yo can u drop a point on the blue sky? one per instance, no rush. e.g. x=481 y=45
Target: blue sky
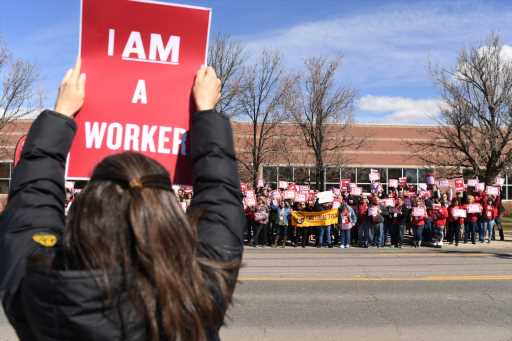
x=387 y=45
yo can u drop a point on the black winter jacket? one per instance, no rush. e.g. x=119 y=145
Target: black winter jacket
x=44 y=303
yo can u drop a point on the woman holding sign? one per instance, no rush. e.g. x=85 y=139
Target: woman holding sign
x=489 y=214
x=473 y=215
x=457 y=215
x=419 y=214
x=377 y=220
x=128 y=264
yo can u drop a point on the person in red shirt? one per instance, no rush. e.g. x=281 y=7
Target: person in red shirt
x=399 y=222
x=472 y=223
x=418 y=222
x=489 y=214
x=440 y=215
x=457 y=222
x=363 y=222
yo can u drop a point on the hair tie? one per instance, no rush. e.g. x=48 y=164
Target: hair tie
x=136 y=183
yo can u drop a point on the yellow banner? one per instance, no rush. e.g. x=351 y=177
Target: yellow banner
x=311 y=219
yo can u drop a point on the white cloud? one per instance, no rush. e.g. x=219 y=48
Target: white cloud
x=506 y=52
x=401 y=109
x=391 y=45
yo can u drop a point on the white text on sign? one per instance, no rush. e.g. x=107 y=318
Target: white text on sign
x=159 y=52
x=148 y=138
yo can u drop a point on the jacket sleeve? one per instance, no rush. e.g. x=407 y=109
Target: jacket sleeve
x=216 y=186
x=36 y=197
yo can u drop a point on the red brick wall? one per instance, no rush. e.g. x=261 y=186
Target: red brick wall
x=385 y=145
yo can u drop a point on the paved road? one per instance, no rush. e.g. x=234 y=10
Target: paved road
x=460 y=293
x=386 y=294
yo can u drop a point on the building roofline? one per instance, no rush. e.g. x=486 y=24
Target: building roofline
x=361 y=124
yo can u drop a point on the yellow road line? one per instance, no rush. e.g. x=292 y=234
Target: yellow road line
x=436 y=278
x=330 y=254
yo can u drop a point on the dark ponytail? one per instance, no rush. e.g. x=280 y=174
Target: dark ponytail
x=128 y=217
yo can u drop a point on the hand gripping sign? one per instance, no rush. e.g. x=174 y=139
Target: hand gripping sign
x=140 y=58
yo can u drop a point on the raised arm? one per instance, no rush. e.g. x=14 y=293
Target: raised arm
x=215 y=172
x=34 y=215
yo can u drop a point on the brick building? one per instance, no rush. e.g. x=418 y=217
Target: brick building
x=385 y=148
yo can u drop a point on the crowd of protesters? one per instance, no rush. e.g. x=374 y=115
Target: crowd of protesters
x=403 y=215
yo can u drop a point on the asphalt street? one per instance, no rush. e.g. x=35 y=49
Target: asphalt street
x=460 y=293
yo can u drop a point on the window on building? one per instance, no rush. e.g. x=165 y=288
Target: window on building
x=366 y=188
x=507 y=195
x=5 y=177
x=301 y=175
x=270 y=174
x=348 y=173
x=363 y=175
x=423 y=172
x=333 y=175
x=312 y=175
x=394 y=173
x=382 y=173
x=285 y=174
x=5 y=170
x=4 y=186
x=411 y=174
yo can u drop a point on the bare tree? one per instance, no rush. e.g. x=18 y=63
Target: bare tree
x=227 y=57
x=475 y=125
x=18 y=97
x=324 y=113
x=263 y=90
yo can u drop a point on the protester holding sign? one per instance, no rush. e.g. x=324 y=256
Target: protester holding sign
x=472 y=221
x=377 y=221
x=347 y=220
x=489 y=214
x=398 y=217
x=261 y=217
x=324 y=230
x=282 y=214
x=127 y=242
x=440 y=215
x=418 y=221
x=457 y=215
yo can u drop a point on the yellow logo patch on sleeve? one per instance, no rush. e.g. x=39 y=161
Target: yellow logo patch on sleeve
x=45 y=239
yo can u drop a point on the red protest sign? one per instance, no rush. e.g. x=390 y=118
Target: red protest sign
x=292 y=186
x=140 y=58
x=344 y=184
x=459 y=185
